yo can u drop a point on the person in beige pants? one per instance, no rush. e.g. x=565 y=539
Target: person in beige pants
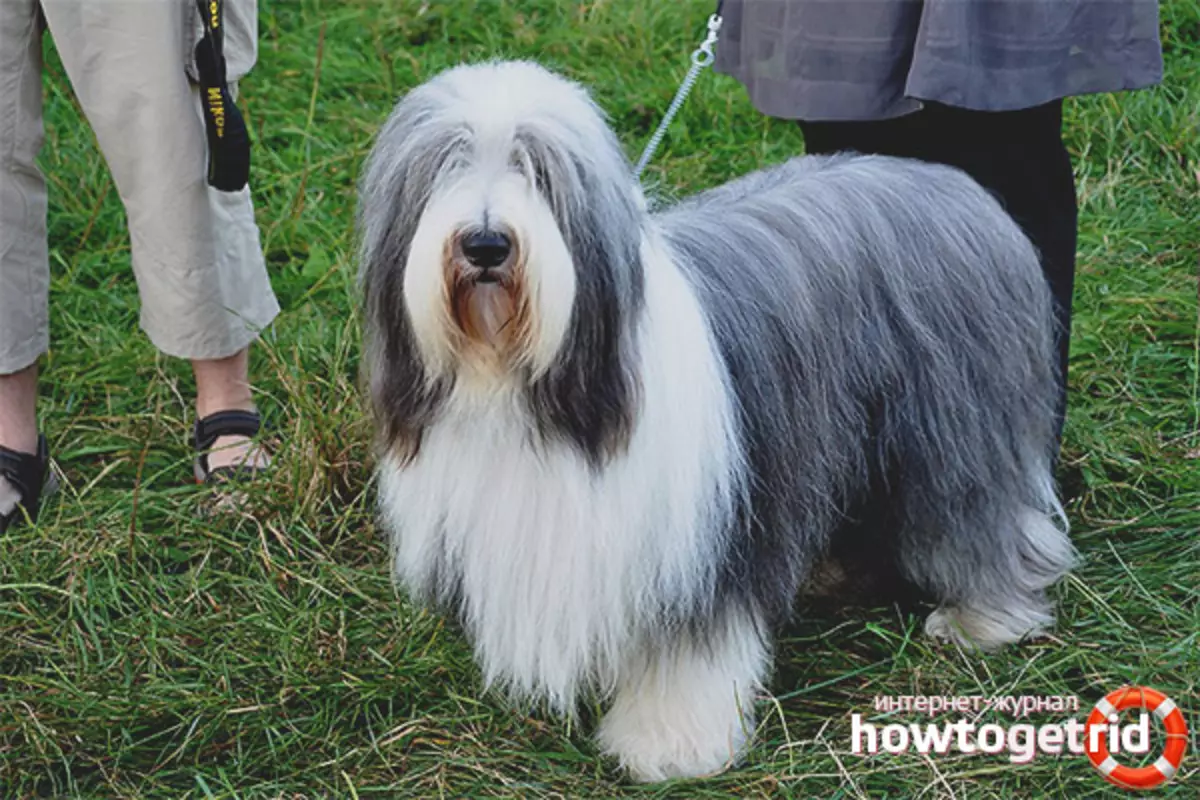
x=196 y=253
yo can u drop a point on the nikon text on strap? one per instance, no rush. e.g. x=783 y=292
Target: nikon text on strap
x=228 y=139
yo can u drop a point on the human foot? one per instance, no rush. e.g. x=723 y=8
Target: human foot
x=25 y=481
x=225 y=447
x=23 y=471
x=228 y=422
x=238 y=451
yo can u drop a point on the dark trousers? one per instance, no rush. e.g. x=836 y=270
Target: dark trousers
x=1018 y=155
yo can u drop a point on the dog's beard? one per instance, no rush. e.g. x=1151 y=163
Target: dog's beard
x=486 y=314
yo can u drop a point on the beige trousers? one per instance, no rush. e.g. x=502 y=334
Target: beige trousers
x=196 y=253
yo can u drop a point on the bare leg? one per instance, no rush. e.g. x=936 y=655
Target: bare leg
x=224 y=385
x=18 y=410
x=18 y=424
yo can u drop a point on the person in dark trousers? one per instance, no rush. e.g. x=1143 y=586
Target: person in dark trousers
x=975 y=84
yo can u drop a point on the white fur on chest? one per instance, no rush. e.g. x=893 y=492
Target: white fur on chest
x=560 y=567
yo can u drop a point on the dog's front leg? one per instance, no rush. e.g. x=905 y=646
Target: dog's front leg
x=685 y=707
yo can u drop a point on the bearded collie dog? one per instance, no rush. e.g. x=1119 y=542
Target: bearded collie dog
x=616 y=441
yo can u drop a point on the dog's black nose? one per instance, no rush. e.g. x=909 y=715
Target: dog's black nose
x=486 y=249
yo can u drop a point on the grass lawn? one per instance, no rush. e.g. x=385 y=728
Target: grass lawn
x=147 y=652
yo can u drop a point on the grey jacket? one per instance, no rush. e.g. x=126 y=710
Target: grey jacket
x=826 y=60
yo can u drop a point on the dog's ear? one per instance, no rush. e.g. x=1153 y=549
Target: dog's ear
x=404 y=398
x=589 y=396
x=410 y=156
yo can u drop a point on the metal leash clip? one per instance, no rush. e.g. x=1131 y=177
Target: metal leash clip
x=703 y=55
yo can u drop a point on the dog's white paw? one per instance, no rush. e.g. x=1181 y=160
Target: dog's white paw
x=943 y=625
x=975 y=629
x=687 y=710
x=655 y=743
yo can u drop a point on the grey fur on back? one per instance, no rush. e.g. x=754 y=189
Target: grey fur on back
x=888 y=334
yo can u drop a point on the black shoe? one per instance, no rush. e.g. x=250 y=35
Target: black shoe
x=30 y=475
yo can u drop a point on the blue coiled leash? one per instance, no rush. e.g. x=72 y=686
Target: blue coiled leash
x=702 y=57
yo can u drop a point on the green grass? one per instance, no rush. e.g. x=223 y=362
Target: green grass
x=146 y=652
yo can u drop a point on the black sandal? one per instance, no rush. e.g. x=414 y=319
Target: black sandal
x=30 y=475
x=213 y=427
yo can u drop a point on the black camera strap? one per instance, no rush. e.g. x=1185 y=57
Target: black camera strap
x=228 y=139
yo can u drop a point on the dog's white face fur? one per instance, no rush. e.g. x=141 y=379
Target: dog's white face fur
x=517 y=323
x=484 y=328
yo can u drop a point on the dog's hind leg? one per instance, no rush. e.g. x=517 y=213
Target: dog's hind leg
x=1009 y=601
x=686 y=708
x=990 y=565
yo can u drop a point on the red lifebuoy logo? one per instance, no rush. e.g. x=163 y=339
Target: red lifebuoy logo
x=1106 y=713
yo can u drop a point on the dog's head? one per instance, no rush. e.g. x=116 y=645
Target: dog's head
x=501 y=232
